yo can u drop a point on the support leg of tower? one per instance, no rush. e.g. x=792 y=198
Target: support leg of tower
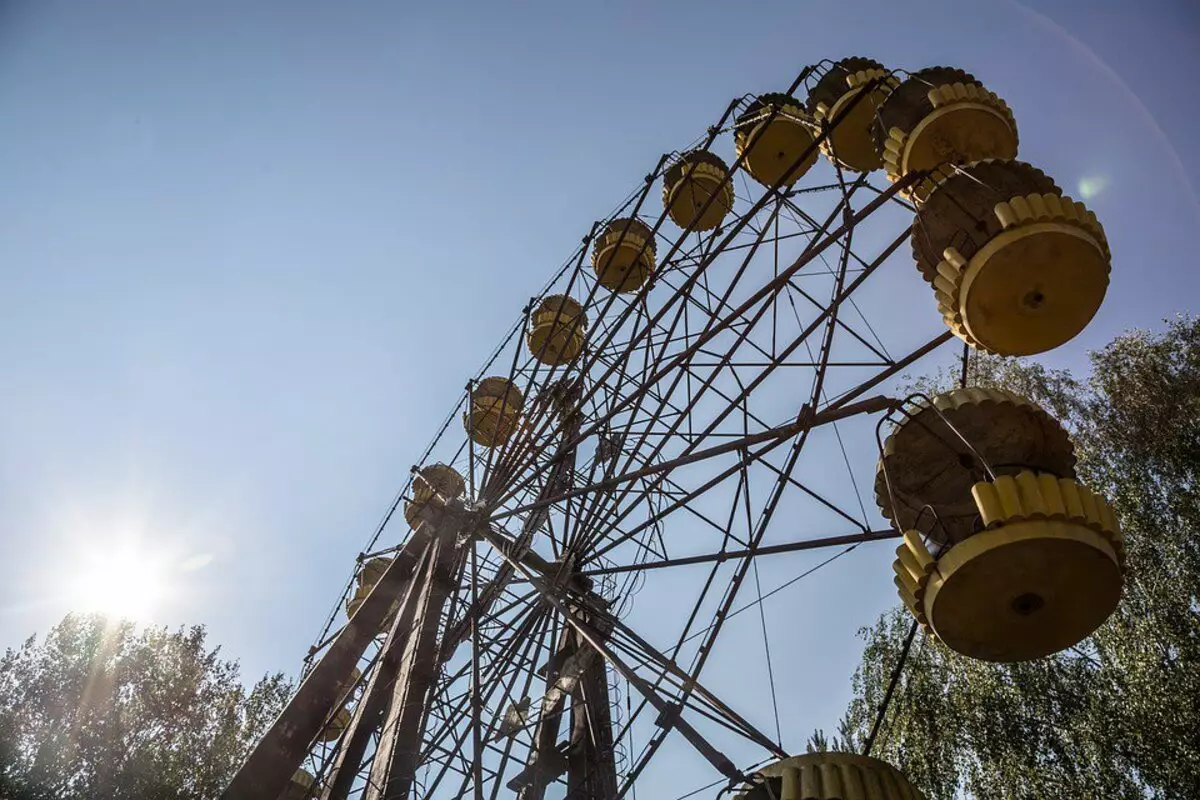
x=577 y=671
x=369 y=711
x=267 y=770
x=592 y=769
x=545 y=761
x=398 y=751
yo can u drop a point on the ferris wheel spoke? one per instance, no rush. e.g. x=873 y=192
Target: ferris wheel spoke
x=696 y=346
x=662 y=731
x=774 y=435
x=757 y=532
x=605 y=529
x=664 y=400
x=701 y=658
x=840 y=404
x=587 y=362
x=747 y=457
x=521 y=649
x=578 y=511
x=478 y=608
x=792 y=287
x=604 y=504
x=722 y=323
x=660 y=735
x=682 y=639
x=774 y=286
x=746 y=391
x=646 y=654
x=841 y=400
x=625 y=378
x=764 y=550
x=823 y=501
x=827 y=312
x=717 y=304
x=684 y=682
x=593 y=640
x=543 y=645
x=730 y=400
x=668 y=488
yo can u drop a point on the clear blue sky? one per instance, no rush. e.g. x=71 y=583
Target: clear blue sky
x=251 y=251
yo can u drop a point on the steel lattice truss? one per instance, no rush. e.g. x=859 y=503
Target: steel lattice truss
x=675 y=439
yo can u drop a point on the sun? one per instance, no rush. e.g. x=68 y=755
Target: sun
x=125 y=582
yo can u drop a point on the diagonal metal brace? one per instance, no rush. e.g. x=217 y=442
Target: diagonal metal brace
x=715 y=757
x=266 y=772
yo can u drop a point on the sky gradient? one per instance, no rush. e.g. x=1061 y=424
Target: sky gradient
x=251 y=251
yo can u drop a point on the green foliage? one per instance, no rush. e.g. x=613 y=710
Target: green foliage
x=100 y=709
x=1119 y=715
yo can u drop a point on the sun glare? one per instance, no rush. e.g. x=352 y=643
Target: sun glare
x=124 y=582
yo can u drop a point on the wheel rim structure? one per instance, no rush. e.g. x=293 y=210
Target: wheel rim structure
x=503 y=650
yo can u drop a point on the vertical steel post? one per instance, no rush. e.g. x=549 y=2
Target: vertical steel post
x=476 y=702
x=591 y=764
x=397 y=754
x=545 y=762
x=367 y=714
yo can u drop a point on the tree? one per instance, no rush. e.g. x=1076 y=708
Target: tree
x=100 y=709
x=1119 y=715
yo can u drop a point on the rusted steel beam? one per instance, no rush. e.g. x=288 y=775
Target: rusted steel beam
x=729 y=555
x=397 y=755
x=591 y=764
x=369 y=711
x=267 y=770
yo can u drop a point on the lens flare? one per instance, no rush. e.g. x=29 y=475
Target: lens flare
x=1092 y=185
x=126 y=582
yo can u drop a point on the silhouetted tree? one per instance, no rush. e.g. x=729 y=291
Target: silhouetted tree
x=99 y=709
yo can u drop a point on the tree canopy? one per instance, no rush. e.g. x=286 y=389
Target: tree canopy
x=1119 y=715
x=102 y=709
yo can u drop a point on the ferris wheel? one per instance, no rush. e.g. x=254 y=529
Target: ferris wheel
x=702 y=386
